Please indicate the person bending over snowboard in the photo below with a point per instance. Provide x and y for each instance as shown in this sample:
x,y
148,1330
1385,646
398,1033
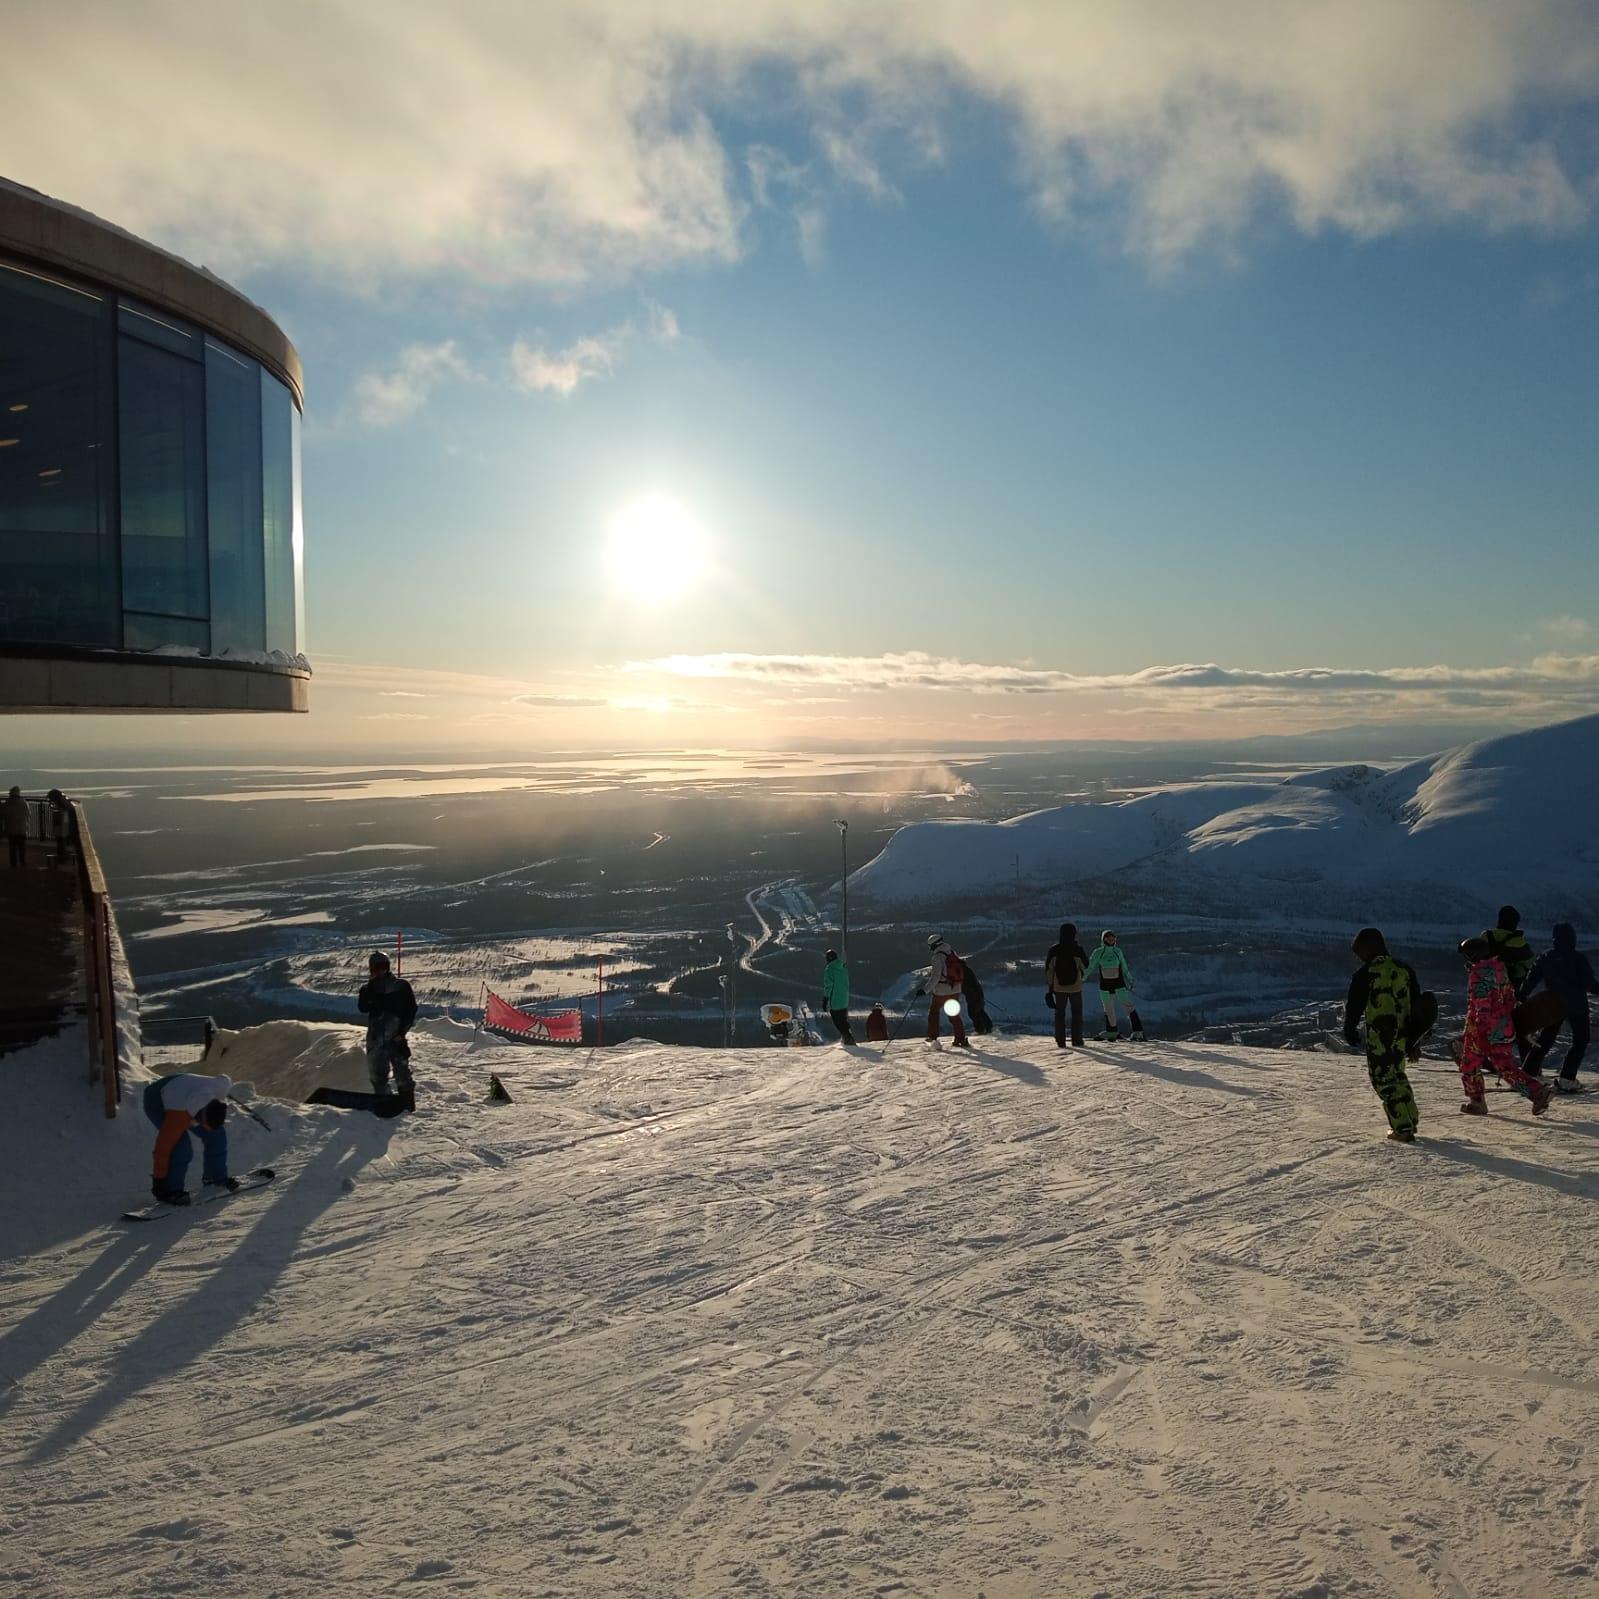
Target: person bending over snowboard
x,y
389,1007
1386,994
182,1105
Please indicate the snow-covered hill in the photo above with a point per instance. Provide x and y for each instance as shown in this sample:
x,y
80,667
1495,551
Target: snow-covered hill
x,y
1507,818
1150,1320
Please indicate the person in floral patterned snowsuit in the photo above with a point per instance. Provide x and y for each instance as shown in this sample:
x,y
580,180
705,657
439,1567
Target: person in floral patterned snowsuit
x,y
1490,1036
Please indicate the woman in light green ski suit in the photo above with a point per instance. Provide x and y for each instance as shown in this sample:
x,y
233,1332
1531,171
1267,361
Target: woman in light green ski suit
x,y
1109,966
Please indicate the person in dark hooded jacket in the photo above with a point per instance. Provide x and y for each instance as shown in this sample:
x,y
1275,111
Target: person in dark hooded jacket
x,y
976,1005
1064,967
1566,971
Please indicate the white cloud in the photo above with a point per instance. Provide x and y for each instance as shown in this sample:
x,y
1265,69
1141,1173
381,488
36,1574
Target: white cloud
x,y
542,371
382,399
557,141
560,371
1566,629
1552,680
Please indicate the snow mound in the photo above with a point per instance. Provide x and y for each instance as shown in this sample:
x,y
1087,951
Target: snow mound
x,y
290,1060
1492,821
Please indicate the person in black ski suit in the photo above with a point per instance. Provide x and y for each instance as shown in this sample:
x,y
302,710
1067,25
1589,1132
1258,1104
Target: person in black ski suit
x,y
1566,971
1064,967
972,993
390,1008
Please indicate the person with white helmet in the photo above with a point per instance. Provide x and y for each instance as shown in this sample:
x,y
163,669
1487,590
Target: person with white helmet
x,y
946,976
1109,965
182,1105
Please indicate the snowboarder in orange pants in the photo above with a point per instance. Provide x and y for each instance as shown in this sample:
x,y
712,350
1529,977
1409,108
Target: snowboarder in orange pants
x,y
1490,1036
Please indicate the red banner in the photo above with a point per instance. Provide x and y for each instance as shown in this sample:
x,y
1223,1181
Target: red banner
x,y
565,1027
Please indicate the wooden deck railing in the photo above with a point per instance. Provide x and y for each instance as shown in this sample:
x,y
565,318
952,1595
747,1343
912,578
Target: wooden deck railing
x,y
99,981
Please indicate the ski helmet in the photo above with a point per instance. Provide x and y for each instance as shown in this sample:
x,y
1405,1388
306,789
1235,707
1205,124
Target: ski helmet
x,y
378,958
934,940
1369,944
832,955
1475,949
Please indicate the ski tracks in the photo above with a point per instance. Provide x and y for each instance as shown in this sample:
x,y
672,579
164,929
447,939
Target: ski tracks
x,y
884,1322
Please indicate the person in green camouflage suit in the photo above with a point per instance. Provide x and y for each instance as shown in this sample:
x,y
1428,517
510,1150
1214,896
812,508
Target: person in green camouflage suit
x,y
1387,993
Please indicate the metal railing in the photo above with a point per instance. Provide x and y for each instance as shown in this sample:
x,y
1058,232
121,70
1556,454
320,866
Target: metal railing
x,y
175,1043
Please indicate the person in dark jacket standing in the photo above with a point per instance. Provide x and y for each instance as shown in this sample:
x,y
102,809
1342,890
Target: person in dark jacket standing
x,y
1064,968
1566,971
835,996
976,1006
390,1008
14,818
1386,994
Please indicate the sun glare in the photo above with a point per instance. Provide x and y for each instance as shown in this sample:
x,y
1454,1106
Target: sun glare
x,y
655,549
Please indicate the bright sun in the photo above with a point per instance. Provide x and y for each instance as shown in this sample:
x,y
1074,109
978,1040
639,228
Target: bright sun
x,y
655,549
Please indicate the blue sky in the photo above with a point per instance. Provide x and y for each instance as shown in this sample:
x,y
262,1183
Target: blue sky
x,y
1008,357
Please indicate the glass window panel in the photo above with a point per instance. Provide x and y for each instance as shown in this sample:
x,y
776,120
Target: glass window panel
x,y
58,561
155,327
233,496
280,478
163,632
161,425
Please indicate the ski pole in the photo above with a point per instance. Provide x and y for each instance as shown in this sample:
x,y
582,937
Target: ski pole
x,y
250,1113
904,1017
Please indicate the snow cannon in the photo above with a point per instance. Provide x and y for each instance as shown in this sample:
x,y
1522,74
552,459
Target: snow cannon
x,y
784,1025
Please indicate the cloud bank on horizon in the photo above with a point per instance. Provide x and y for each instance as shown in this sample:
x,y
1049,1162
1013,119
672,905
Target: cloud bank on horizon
x,y
562,142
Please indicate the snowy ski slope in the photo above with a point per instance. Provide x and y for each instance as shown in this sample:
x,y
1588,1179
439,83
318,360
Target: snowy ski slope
x,y
1141,1320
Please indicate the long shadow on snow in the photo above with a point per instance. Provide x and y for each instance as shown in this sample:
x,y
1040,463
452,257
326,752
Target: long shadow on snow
x,y
1210,1055
1184,1078
181,1335
1578,1185
1024,1071
55,1323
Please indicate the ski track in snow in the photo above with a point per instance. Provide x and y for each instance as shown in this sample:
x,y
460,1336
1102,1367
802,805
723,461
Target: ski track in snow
x,y
1135,1320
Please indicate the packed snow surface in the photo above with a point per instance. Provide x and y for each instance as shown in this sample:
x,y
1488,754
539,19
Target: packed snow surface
x,y
1494,820
1136,1320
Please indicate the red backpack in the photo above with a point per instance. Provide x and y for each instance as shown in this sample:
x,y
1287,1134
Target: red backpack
x,y
954,970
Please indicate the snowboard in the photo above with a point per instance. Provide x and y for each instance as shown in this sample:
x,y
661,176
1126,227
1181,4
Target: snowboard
x,y
354,1099
258,1178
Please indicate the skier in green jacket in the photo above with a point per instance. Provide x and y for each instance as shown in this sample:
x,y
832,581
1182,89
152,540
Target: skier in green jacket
x,y
835,995
1109,967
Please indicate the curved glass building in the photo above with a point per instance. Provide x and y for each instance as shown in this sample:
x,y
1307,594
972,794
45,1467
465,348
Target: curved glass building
x,y
150,532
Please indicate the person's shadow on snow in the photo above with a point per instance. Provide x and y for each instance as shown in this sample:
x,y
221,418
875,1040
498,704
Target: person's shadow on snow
x,y
182,1333
78,1304
1183,1077
1024,1071
1579,1185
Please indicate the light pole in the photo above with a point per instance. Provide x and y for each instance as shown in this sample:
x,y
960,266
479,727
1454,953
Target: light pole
x,y
843,888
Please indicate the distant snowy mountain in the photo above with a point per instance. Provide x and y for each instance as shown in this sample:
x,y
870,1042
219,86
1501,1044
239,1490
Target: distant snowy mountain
x,y
1507,818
